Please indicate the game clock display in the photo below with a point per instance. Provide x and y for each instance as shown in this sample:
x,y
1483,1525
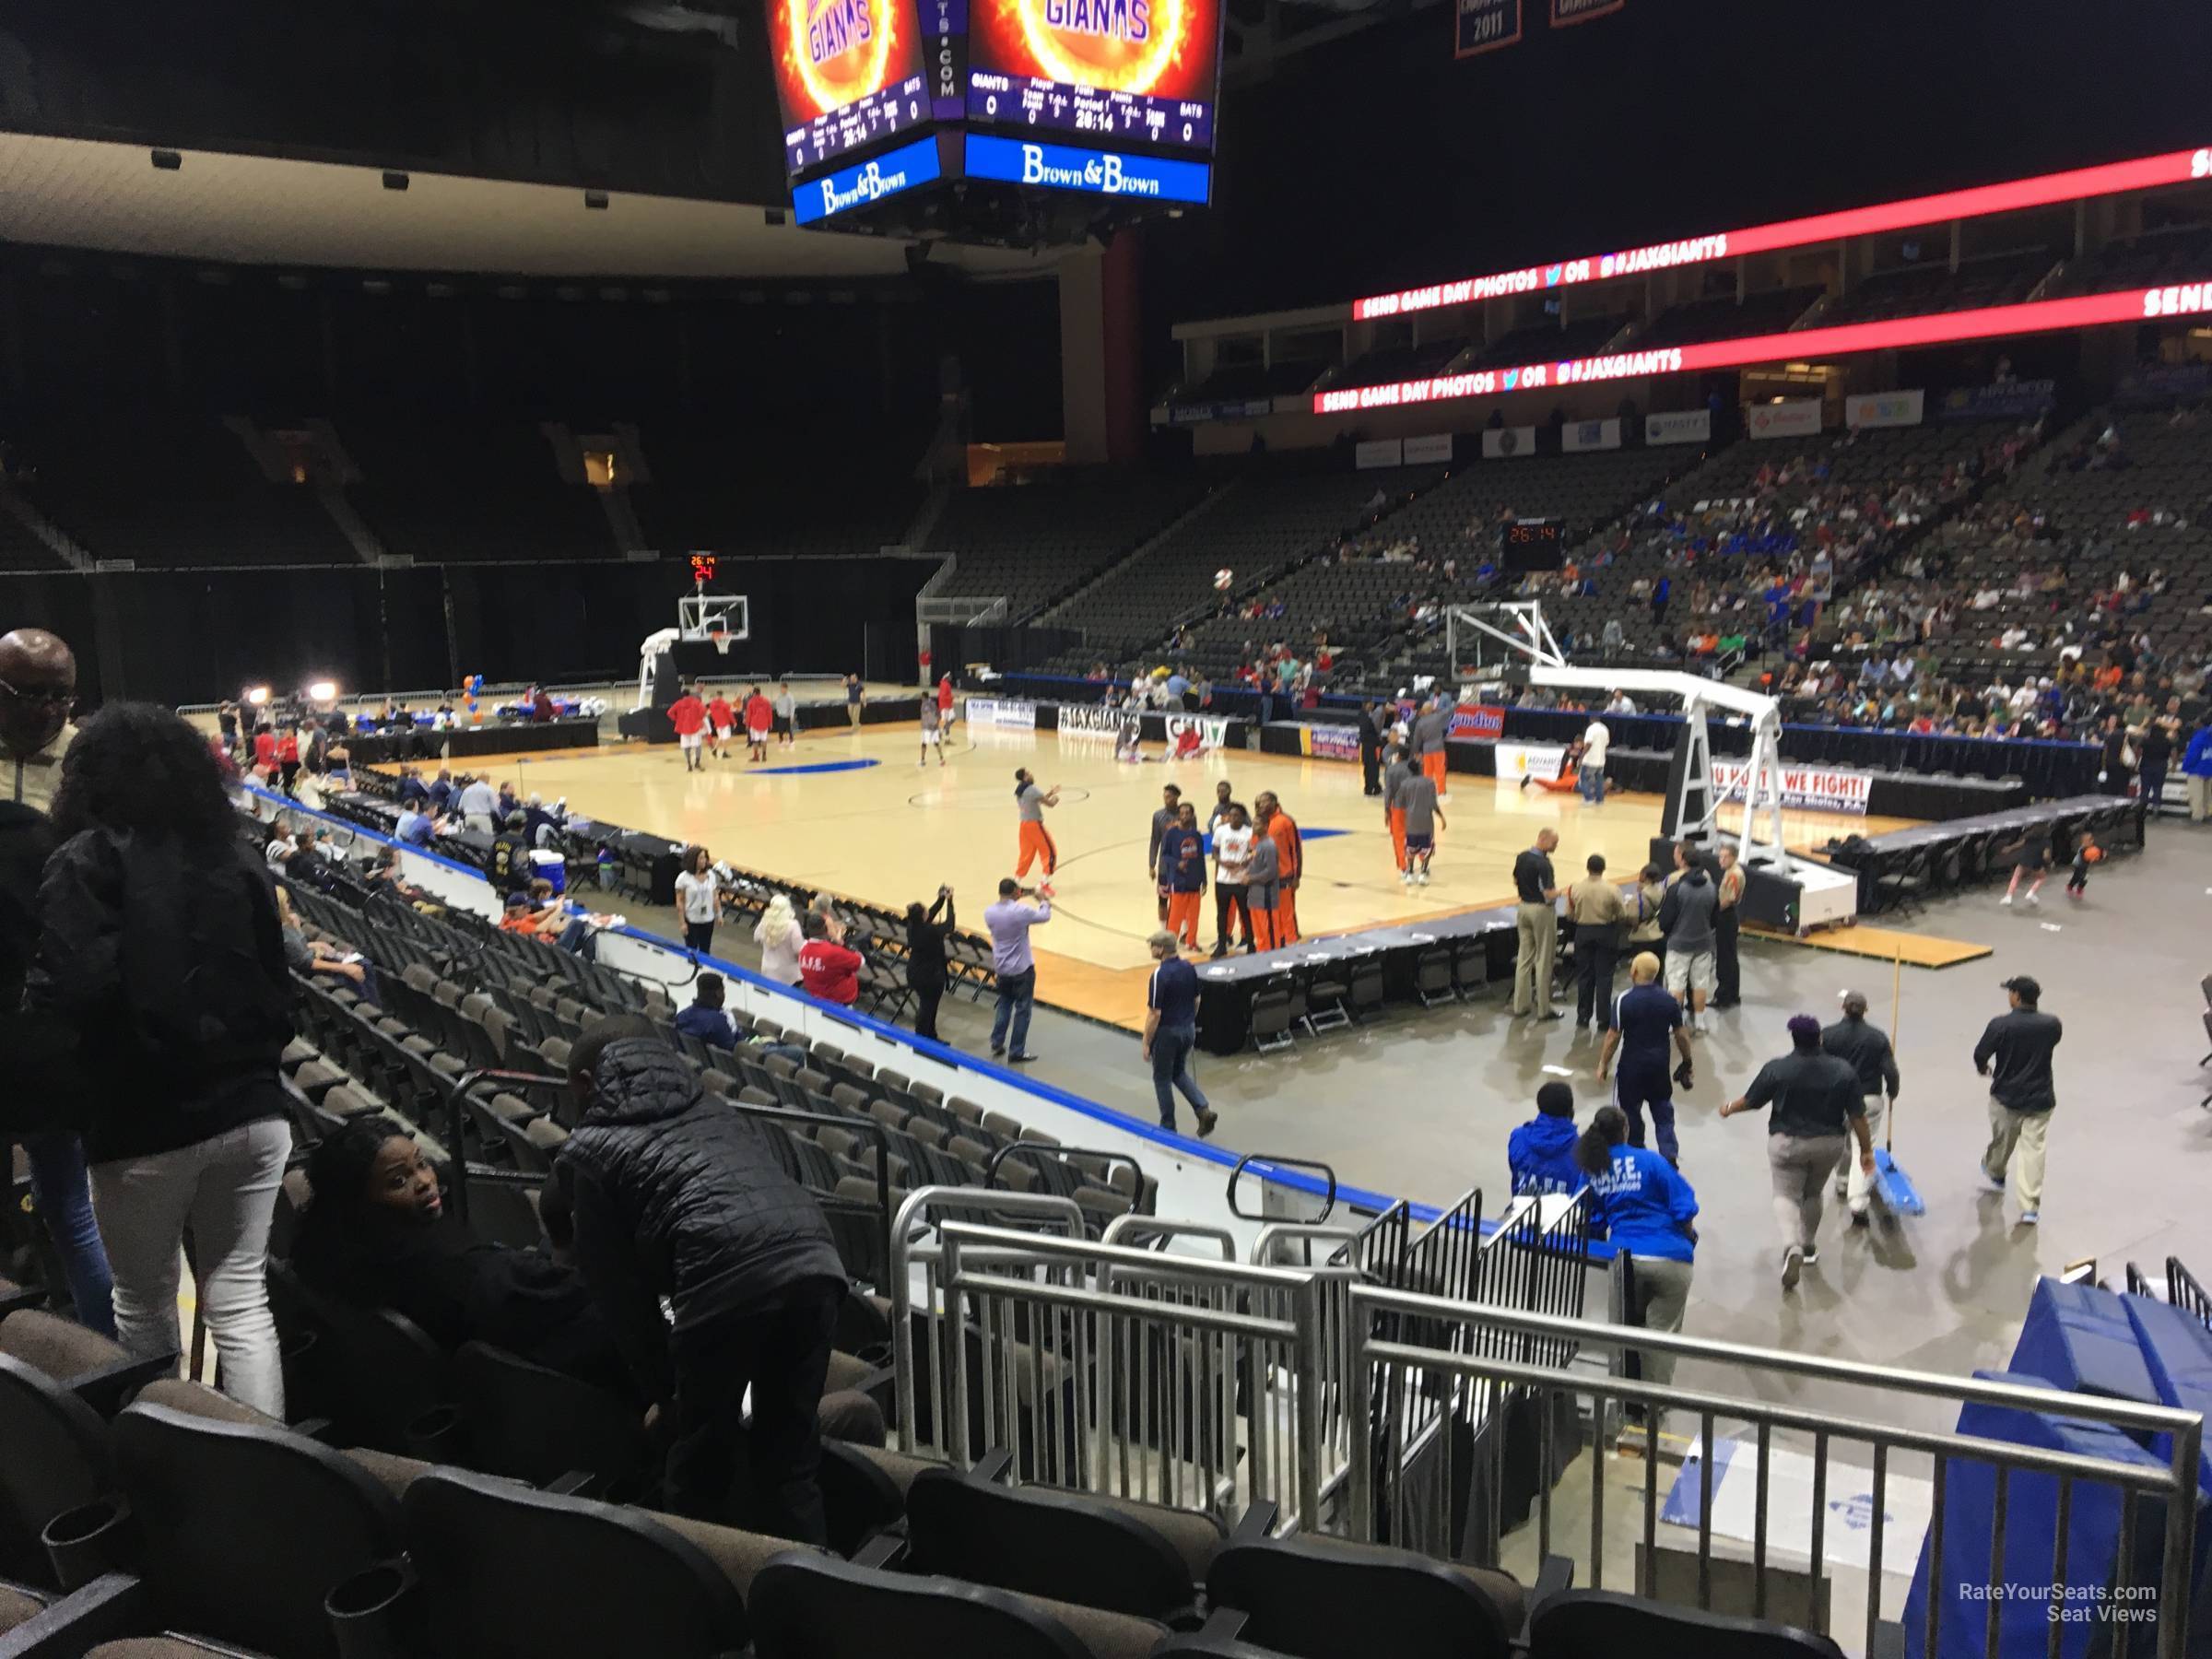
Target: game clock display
x,y
848,72
1535,544
1133,71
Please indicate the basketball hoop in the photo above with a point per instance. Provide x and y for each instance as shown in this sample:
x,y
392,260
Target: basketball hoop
x,y
721,643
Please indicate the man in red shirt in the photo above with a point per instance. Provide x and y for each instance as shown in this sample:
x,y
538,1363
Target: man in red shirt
x,y
826,968
688,717
722,718
945,702
265,751
760,716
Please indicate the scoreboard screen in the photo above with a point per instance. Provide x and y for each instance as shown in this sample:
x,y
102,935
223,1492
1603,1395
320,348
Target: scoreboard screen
x,y
848,72
1538,544
1130,71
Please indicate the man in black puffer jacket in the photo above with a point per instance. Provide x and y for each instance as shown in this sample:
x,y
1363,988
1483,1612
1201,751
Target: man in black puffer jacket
x,y
677,1196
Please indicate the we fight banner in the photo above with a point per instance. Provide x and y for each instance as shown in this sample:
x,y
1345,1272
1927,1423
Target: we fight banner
x,y
1804,788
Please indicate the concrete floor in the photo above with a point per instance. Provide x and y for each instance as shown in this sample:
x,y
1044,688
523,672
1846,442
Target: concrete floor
x,y
1419,1104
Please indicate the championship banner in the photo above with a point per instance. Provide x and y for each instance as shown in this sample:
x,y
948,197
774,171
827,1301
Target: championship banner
x,y
1519,760
1810,788
1502,444
1885,409
1435,451
1195,735
1480,26
1002,713
1329,742
1590,435
1476,723
1378,451
1798,419
1565,12
1688,426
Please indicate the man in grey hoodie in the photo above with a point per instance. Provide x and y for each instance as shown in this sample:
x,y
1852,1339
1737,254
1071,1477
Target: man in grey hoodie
x,y
1690,918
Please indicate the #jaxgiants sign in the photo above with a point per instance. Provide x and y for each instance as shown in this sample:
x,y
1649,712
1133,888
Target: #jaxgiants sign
x,y
1815,788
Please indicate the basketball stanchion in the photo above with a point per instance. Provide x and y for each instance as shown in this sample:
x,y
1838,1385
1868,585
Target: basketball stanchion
x,y
1891,1184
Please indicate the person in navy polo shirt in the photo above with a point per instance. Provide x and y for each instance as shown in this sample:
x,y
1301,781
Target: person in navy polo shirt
x,y
1172,1033
1646,1019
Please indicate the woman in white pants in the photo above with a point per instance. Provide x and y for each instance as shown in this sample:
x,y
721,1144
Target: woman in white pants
x,y
160,947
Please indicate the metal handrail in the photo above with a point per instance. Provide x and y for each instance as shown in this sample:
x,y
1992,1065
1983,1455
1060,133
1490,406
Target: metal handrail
x,y
1328,1203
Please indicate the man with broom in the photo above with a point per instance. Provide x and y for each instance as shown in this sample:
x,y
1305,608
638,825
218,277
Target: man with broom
x,y
1866,1048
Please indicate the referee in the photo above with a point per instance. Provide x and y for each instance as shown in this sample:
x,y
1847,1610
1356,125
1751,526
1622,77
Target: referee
x,y
1537,927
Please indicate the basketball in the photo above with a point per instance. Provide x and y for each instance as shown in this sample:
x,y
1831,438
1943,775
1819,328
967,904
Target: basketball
x,y
2093,855
1224,577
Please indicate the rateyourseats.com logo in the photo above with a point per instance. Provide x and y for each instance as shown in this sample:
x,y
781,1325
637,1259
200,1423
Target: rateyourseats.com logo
x,y
868,184
1104,175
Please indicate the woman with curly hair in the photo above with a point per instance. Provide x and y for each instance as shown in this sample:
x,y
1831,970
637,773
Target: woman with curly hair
x,y
161,953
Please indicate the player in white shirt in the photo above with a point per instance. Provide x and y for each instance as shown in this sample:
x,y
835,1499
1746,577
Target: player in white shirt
x,y
1596,738
1232,867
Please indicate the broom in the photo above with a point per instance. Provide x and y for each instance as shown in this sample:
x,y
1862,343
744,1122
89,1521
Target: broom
x,y
1891,1184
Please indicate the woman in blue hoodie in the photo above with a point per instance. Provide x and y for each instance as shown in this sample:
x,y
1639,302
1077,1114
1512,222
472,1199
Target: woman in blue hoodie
x,y
1647,1209
1541,1152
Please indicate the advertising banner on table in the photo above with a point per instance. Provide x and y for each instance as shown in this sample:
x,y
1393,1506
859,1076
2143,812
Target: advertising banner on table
x,y
1091,720
2006,398
1885,409
1810,788
1433,450
1590,435
1378,451
1686,425
2152,383
1476,723
1502,444
1796,419
1002,713
1195,735
1480,26
1329,742
1564,12
1519,760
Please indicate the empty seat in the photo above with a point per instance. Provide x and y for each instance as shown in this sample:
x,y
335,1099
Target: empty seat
x,y
1597,1624
807,1607
1324,1598
511,1574
1126,1556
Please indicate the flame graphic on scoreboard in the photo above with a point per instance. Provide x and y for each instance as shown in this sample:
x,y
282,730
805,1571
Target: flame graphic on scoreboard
x,y
837,50
1113,45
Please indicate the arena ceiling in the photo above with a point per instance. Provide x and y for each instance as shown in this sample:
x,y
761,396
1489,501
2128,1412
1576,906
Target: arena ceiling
x,y
261,211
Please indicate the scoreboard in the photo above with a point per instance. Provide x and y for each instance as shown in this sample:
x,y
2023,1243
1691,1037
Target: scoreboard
x,y
1129,71
1021,122
848,72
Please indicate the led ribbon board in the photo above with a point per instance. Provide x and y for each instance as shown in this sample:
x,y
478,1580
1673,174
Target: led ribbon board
x,y
2039,316
2148,172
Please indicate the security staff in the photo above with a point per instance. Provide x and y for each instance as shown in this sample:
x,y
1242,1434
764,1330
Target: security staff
x,y
1594,906
1816,1105
1866,1048
1538,925
1646,1018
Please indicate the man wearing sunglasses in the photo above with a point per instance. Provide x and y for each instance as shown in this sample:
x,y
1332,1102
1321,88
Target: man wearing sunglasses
x,y
38,689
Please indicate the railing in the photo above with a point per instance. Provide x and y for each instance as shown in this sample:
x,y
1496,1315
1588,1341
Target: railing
x,y
2183,1291
2032,1493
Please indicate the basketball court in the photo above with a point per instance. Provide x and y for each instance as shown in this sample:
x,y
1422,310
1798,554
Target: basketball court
x,y
852,813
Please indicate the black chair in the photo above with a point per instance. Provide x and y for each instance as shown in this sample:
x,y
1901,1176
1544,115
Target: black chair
x,y
1270,1018
1600,1624
53,1457
809,1607
510,1573
1433,976
242,1530
1470,966
1367,992
1328,996
537,1425
1126,1557
373,1371
1318,1598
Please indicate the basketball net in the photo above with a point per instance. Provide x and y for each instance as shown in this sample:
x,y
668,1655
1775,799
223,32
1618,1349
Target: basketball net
x,y
721,643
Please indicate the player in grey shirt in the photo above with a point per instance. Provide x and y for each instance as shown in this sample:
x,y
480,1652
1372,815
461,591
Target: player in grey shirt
x,y
1396,769
1430,727
1417,798
1262,889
